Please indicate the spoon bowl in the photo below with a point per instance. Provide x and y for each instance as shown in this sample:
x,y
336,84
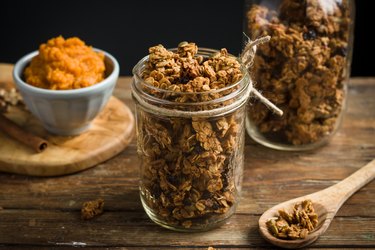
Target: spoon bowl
x,y
326,204
322,226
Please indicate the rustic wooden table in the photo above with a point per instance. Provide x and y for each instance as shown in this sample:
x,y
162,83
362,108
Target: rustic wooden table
x,y
44,213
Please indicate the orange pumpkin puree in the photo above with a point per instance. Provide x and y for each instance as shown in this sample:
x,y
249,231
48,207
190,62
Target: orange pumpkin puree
x,y
65,64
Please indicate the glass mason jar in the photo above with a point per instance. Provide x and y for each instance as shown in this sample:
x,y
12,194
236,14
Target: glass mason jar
x,y
191,152
304,69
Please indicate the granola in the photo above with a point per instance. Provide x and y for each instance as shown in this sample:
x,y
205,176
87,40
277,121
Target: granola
x,y
9,98
191,166
301,69
296,225
91,209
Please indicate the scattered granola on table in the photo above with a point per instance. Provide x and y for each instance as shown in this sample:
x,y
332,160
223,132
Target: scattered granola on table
x,y
191,166
296,225
9,98
91,209
302,69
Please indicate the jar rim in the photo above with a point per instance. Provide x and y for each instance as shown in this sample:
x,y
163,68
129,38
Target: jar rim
x,y
223,98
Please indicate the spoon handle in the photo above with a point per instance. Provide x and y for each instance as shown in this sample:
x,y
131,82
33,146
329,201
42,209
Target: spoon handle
x,y
337,194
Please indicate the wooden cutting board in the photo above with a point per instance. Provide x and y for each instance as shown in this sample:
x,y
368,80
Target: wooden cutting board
x,y
108,135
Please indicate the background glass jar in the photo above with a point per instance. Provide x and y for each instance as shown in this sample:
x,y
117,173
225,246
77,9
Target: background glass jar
x,y
192,152
304,69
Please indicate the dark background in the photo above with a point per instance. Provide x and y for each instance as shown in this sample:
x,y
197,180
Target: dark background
x,y
126,29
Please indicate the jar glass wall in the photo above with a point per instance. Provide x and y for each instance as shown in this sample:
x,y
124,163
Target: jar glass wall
x,y
191,152
304,69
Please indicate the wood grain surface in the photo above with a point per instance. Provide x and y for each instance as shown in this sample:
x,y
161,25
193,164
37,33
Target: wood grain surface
x,y
44,213
110,132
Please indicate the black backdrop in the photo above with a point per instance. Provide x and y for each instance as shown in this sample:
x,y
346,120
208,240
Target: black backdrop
x,y
127,28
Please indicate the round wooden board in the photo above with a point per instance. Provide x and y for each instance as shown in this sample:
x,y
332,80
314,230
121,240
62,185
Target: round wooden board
x,y
108,135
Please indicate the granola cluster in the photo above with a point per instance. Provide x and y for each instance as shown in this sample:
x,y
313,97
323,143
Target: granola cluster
x,y
91,209
295,225
191,167
9,98
184,71
301,69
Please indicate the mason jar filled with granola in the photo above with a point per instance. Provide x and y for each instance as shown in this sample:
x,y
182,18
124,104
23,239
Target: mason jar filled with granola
x,y
190,109
304,69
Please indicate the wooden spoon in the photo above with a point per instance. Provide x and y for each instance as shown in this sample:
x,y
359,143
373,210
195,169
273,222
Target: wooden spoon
x,y
326,204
